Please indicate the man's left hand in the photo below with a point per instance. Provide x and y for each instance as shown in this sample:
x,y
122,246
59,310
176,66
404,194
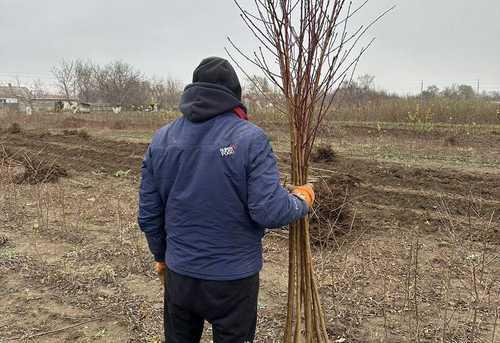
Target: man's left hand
x,y
160,269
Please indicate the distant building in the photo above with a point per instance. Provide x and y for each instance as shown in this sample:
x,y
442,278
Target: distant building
x,y
84,107
101,107
20,100
16,99
54,104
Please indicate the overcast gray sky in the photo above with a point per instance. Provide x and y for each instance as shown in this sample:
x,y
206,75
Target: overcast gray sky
x,y
437,41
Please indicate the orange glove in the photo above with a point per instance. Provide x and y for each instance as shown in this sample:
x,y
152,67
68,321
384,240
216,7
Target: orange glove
x,y
305,192
160,269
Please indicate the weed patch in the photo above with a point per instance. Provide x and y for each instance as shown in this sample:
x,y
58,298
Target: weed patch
x,y
33,171
324,153
14,128
333,213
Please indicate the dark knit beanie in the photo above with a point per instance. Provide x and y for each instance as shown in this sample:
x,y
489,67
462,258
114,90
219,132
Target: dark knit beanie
x,y
218,70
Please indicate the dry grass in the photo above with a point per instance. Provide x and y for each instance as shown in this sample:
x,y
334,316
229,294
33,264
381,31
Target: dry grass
x,y
412,256
421,113
82,133
30,168
14,128
333,214
324,153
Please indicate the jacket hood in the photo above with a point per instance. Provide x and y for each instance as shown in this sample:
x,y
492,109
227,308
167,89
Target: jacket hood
x,y
219,71
202,101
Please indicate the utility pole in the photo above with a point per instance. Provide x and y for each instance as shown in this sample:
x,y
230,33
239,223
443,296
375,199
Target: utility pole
x,y
477,89
421,92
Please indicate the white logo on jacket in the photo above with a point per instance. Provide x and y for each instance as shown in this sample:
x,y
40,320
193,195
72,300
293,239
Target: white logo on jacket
x,y
228,151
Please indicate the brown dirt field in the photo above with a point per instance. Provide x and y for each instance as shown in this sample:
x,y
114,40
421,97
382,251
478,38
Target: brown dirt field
x,y
77,153
423,239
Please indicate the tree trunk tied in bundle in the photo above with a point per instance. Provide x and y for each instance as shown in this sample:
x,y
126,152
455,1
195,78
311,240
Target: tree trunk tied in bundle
x,y
307,52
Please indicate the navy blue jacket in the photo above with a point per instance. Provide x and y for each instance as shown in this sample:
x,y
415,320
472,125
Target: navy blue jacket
x,y
210,185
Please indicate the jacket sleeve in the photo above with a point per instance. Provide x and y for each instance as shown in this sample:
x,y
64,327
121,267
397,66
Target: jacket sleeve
x,y
151,210
269,204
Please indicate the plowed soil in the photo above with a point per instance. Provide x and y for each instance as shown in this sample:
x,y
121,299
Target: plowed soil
x,y
77,153
89,262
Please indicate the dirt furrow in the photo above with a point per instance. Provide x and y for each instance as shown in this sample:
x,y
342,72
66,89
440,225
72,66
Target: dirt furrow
x,y
385,184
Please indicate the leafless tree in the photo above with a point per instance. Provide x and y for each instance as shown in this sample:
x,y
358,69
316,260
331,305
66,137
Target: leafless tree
x,y
257,85
173,93
85,81
38,89
260,94
117,81
166,93
64,73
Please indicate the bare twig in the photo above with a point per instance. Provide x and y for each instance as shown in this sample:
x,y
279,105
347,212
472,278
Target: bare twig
x,y
495,325
51,332
415,294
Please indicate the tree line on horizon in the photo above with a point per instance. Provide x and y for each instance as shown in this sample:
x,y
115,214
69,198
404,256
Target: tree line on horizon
x,y
117,83
121,84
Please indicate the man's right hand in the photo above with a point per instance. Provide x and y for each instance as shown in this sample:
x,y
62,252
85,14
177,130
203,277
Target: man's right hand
x,y
305,192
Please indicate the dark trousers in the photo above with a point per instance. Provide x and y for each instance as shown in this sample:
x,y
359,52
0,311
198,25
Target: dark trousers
x,y
230,306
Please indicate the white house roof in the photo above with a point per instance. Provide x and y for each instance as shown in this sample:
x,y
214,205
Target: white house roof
x,y
53,98
14,92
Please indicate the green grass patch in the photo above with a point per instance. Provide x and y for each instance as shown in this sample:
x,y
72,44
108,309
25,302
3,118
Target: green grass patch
x,y
8,254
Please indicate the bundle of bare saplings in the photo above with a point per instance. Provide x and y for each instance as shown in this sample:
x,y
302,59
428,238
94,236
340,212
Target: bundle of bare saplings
x,y
307,53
